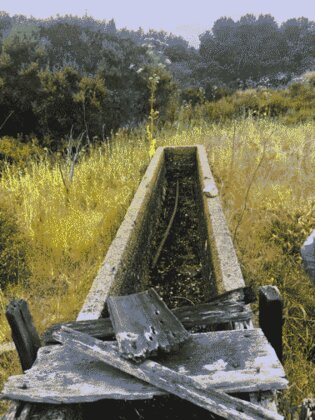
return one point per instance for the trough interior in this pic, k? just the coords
(183, 273)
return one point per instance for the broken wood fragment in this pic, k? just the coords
(144, 325)
(24, 333)
(243, 295)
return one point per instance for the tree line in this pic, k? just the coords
(80, 74)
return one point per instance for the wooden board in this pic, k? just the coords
(178, 384)
(144, 325)
(67, 375)
(232, 361)
(224, 309)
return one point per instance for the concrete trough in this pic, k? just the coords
(127, 265)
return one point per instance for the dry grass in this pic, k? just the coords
(265, 173)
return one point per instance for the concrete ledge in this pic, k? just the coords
(227, 271)
(110, 276)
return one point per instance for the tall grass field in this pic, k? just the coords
(57, 234)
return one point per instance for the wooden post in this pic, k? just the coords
(24, 334)
(270, 316)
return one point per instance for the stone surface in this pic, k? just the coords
(116, 265)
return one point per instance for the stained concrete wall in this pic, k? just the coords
(124, 261)
(227, 271)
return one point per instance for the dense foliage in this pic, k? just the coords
(70, 74)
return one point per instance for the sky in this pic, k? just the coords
(181, 17)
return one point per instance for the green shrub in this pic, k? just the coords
(292, 105)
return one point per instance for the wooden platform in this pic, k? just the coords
(231, 361)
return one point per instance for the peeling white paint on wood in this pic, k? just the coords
(218, 365)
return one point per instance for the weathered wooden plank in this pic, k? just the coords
(24, 334)
(27, 338)
(270, 316)
(162, 377)
(98, 328)
(230, 361)
(144, 325)
(27, 343)
(65, 375)
(233, 361)
(208, 314)
(212, 314)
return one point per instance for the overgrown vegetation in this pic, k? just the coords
(294, 104)
(265, 171)
(83, 107)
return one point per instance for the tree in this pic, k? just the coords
(299, 38)
(20, 62)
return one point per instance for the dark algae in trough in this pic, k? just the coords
(178, 274)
